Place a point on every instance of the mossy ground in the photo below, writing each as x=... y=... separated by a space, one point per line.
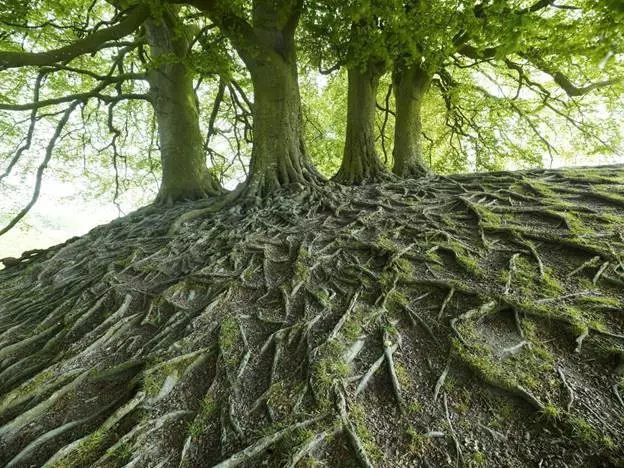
x=473 y=320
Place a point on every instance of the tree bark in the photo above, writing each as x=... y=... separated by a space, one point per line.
x=360 y=162
x=184 y=172
x=279 y=155
x=410 y=86
x=267 y=46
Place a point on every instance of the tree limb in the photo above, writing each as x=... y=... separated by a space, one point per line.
x=563 y=81
x=129 y=24
x=42 y=167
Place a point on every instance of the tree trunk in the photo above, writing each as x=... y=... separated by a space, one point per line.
x=410 y=85
x=279 y=156
x=184 y=172
x=360 y=161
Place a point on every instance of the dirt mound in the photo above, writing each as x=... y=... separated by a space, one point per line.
x=474 y=320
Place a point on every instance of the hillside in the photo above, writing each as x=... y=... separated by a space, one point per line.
x=472 y=320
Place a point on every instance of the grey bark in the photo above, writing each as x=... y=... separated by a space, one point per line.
x=360 y=162
x=410 y=86
x=184 y=171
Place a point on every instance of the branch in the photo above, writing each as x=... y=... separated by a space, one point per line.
x=31 y=128
x=237 y=29
x=95 y=92
x=563 y=81
x=42 y=168
x=84 y=46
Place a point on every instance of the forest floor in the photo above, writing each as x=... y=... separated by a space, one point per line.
x=472 y=320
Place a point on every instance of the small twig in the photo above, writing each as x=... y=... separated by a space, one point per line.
x=516 y=348
x=453 y=435
x=537 y=258
x=389 y=349
x=447 y=299
x=518 y=323
x=414 y=317
x=617 y=394
x=586 y=264
x=512 y=271
x=580 y=338
x=358 y=447
x=441 y=379
x=371 y=371
x=599 y=273
x=568 y=388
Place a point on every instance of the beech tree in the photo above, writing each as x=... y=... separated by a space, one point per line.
x=184 y=172
x=455 y=320
x=166 y=68
x=348 y=34
x=265 y=40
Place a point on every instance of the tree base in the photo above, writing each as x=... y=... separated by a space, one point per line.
x=470 y=318
x=372 y=175
x=209 y=187
x=412 y=171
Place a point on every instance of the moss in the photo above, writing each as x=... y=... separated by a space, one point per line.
x=386 y=245
x=156 y=374
x=358 y=417
x=279 y=399
x=403 y=375
x=86 y=451
x=396 y=300
x=120 y=454
x=302 y=271
x=353 y=327
x=207 y=411
x=417 y=441
x=600 y=300
x=477 y=459
x=28 y=387
x=550 y=412
x=404 y=268
x=574 y=223
x=470 y=264
x=415 y=407
x=329 y=367
x=434 y=257
x=387 y=279
x=461 y=401
x=527 y=368
x=581 y=430
x=229 y=337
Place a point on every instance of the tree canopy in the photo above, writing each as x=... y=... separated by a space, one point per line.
x=452 y=85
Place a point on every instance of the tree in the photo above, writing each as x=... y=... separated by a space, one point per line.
x=185 y=175
x=464 y=319
x=172 y=95
x=458 y=46
x=350 y=32
x=266 y=43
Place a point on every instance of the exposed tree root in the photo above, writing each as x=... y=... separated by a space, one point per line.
x=248 y=333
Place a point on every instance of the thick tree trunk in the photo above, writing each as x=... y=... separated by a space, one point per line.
x=184 y=171
x=279 y=156
x=410 y=85
x=360 y=161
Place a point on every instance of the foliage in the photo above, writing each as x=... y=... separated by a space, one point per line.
x=514 y=84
